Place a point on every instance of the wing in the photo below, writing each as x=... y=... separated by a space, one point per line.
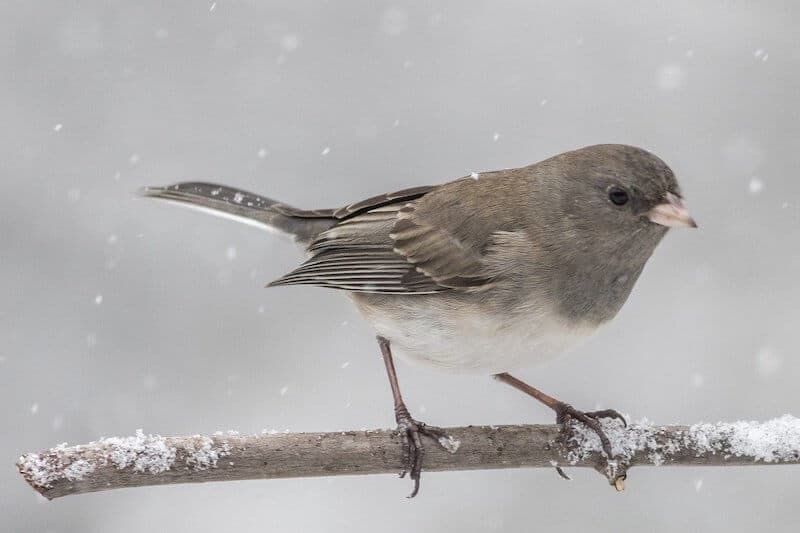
x=402 y=244
x=358 y=255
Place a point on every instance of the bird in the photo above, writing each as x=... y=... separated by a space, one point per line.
x=486 y=274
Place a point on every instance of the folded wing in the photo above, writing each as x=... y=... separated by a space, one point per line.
x=389 y=245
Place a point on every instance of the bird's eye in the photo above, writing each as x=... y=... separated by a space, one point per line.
x=617 y=195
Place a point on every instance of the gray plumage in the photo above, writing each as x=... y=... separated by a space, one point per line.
x=525 y=260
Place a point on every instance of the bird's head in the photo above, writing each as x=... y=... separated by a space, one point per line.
x=617 y=195
x=610 y=206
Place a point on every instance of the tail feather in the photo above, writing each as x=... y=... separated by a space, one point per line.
x=244 y=207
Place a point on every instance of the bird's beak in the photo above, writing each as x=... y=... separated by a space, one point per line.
x=672 y=213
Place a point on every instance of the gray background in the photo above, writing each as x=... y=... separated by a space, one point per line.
x=118 y=313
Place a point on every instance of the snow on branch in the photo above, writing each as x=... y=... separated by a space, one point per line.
x=141 y=460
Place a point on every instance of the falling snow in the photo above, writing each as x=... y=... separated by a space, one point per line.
x=768 y=362
x=149 y=382
x=394 y=21
x=756 y=185
x=57 y=423
x=290 y=42
x=671 y=77
x=743 y=154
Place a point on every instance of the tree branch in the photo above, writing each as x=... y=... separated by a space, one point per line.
x=143 y=460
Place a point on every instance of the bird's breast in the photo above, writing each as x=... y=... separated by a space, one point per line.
x=462 y=334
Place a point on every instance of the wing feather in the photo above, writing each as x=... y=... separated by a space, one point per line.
x=386 y=244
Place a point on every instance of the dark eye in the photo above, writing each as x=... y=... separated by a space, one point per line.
x=617 y=195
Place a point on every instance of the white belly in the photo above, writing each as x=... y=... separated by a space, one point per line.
x=471 y=342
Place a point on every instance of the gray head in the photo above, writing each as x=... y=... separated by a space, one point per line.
x=621 y=189
x=614 y=204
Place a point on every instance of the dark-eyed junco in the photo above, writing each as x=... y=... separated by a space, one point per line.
x=486 y=274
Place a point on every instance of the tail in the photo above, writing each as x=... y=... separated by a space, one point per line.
x=246 y=207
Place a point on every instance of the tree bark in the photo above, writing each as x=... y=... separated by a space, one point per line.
x=143 y=460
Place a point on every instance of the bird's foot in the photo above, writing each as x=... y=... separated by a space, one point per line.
x=413 y=450
x=591 y=419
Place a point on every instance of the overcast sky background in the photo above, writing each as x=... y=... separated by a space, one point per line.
x=118 y=313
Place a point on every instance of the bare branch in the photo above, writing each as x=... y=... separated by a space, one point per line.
x=143 y=460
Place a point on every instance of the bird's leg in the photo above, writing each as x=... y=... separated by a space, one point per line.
x=565 y=412
x=411 y=429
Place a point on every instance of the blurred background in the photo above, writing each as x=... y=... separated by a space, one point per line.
x=118 y=313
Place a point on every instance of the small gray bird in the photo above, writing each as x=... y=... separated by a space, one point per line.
x=487 y=273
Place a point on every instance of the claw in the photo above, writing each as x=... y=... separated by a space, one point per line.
x=413 y=449
x=608 y=413
x=565 y=412
x=562 y=473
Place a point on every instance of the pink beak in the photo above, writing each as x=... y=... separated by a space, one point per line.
x=672 y=213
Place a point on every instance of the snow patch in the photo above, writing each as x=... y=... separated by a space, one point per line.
x=145 y=453
x=203 y=454
x=140 y=453
x=78 y=470
x=450 y=444
x=771 y=441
